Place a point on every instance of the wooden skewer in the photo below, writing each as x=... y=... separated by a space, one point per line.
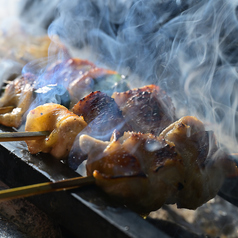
x=6 y=109
x=35 y=189
x=22 y=136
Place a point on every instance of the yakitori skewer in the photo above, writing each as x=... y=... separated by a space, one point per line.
x=75 y=79
x=36 y=189
x=22 y=136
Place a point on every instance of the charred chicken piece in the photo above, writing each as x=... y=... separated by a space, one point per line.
x=137 y=169
x=81 y=77
x=183 y=166
x=67 y=71
x=206 y=166
x=122 y=97
x=63 y=125
x=19 y=94
x=147 y=109
x=101 y=114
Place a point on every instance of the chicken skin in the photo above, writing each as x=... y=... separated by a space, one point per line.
x=132 y=170
x=62 y=124
x=19 y=95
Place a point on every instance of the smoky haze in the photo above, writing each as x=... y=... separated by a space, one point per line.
x=189 y=48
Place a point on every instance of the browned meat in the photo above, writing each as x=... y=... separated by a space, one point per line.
x=147 y=109
x=63 y=125
x=135 y=169
x=205 y=164
x=101 y=113
x=19 y=94
x=67 y=71
x=81 y=77
x=183 y=165
x=122 y=97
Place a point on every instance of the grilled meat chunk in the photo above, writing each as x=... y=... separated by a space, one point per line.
x=183 y=165
x=205 y=164
x=137 y=169
x=19 y=95
x=63 y=125
x=81 y=77
x=147 y=109
x=101 y=114
x=122 y=97
x=65 y=72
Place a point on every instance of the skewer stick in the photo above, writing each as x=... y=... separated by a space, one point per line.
x=6 y=109
x=22 y=136
x=35 y=189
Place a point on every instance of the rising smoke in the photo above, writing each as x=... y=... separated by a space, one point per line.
x=189 y=48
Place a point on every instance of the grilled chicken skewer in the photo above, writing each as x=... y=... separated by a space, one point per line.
x=96 y=113
x=67 y=82
x=182 y=162
x=183 y=165
x=100 y=112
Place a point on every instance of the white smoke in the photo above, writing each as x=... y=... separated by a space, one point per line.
x=189 y=48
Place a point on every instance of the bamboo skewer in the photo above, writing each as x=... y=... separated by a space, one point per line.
x=36 y=189
x=22 y=136
x=40 y=188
